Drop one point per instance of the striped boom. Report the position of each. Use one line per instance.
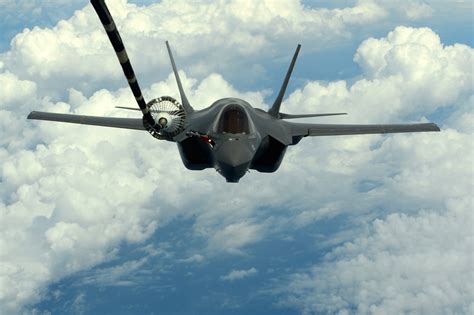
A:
(107, 21)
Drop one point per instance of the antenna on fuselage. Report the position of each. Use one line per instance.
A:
(184, 100)
(275, 109)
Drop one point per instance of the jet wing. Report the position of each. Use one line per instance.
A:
(125, 123)
(316, 130)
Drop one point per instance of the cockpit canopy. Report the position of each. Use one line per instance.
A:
(233, 120)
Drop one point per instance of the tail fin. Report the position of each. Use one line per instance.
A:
(275, 110)
(184, 100)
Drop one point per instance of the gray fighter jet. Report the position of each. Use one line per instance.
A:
(230, 135)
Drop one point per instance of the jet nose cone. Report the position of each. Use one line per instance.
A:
(233, 174)
(234, 153)
(233, 160)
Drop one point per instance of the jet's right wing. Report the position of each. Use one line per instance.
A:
(299, 129)
(125, 123)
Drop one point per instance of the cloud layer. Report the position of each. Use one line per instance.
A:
(207, 36)
(406, 264)
(406, 74)
(416, 263)
(239, 274)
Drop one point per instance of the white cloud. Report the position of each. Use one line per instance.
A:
(17, 13)
(239, 274)
(214, 31)
(121, 275)
(408, 72)
(34, 7)
(16, 92)
(235, 235)
(69, 213)
(463, 117)
(79, 304)
(196, 258)
(414, 263)
(407, 264)
(414, 9)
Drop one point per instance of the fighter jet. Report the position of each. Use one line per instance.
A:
(230, 135)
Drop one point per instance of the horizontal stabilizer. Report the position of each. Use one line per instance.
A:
(125, 123)
(136, 109)
(289, 116)
(129, 108)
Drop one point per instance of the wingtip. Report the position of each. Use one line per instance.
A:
(432, 127)
(31, 115)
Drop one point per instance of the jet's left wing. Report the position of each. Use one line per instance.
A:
(125, 123)
(299, 129)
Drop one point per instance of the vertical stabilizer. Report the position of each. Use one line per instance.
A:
(184, 100)
(275, 110)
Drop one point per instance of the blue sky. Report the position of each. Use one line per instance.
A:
(348, 225)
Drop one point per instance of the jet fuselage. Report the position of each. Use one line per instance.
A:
(226, 137)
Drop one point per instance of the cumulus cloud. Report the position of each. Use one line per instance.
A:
(51, 194)
(414, 9)
(407, 264)
(239, 274)
(196, 258)
(72, 194)
(14, 90)
(78, 160)
(31, 8)
(121, 275)
(412, 261)
(222, 32)
(19, 14)
(235, 235)
(409, 72)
